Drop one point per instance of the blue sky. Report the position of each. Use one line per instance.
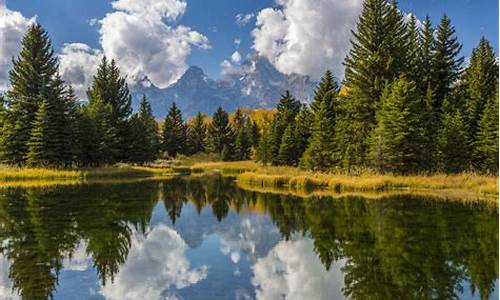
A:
(68, 22)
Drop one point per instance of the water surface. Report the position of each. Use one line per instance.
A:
(204, 238)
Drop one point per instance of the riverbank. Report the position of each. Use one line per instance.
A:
(252, 174)
(13, 174)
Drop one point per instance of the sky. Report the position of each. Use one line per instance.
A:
(159, 39)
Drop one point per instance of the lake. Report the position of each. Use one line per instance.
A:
(205, 238)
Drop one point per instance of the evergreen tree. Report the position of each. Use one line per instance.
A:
(426, 57)
(220, 137)
(40, 152)
(287, 154)
(320, 152)
(326, 85)
(452, 146)
(287, 109)
(398, 141)
(486, 145)
(243, 142)
(174, 132)
(197, 134)
(255, 133)
(302, 133)
(31, 78)
(144, 144)
(413, 67)
(264, 147)
(377, 51)
(446, 62)
(109, 96)
(480, 81)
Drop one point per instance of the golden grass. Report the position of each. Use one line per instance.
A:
(227, 168)
(13, 174)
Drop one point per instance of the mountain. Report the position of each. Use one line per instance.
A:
(255, 84)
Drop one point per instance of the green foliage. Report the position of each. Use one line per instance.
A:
(426, 42)
(486, 146)
(264, 147)
(174, 133)
(452, 146)
(287, 154)
(220, 137)
(480, 81)
(446, 63)
(326, 85)
(398, 142)
(197, 134)
(144, 142)
(243, 135)
(302, 132)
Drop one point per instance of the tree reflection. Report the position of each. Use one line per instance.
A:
(399, 247)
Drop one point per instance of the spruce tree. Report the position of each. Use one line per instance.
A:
(413, 67)
(40, 152)
(110, 91)
(220, 137)
(425, 53)
(287, 154)
(398, 141)
(263, 148)
(302, 133)
(452, 143)
(31, 78)
(446, 61)
(243, 142)
(377, 51)
(319, 155)
(486, 145)
(144, 143)
(480, 81)
(287, 109)
(174, 132)
(197, 134)
(326, 85)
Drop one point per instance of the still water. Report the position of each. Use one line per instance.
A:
(204, 238)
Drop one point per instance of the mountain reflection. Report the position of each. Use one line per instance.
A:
(167, 239)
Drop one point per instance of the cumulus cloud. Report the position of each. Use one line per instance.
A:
(79, 260)
(243, 19)
(137, 35)
(156, 263)
(306, 37)
(78, 64)
(236, 57)
(13, 25)
(292, 270)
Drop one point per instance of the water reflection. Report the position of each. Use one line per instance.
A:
(204, 238)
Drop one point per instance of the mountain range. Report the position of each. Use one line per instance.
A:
(256, 83)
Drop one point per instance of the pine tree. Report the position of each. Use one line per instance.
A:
(287, 109)
(287, 154)
(452, 146)
(377, 53)
(144, 143)
(486, 145)
(197, 134)
(426, 57)
(302, 133)
(446, 62)
(480, 81)
(110, 90)
(174, 132)
(413, 66)
(326, 85)
(263, 149)
(398, 141)
(31, 77)
(320, 152)
(40, 152)
(243, 137)
(220, 135)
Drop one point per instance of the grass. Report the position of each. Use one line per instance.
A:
(250, 173)
(13, 174)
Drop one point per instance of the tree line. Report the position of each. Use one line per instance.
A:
(408, 104)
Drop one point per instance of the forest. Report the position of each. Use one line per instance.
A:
(409, 103)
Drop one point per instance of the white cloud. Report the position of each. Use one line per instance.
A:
(156, 263)
(237, 42)
(13, 25)
(292, 270)
(243, 19)
(6, 291)
(236, 57)
(143, 44)
(226, 66)
(93, 21)
(80, 260)
(78, 64)
(306, 37)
